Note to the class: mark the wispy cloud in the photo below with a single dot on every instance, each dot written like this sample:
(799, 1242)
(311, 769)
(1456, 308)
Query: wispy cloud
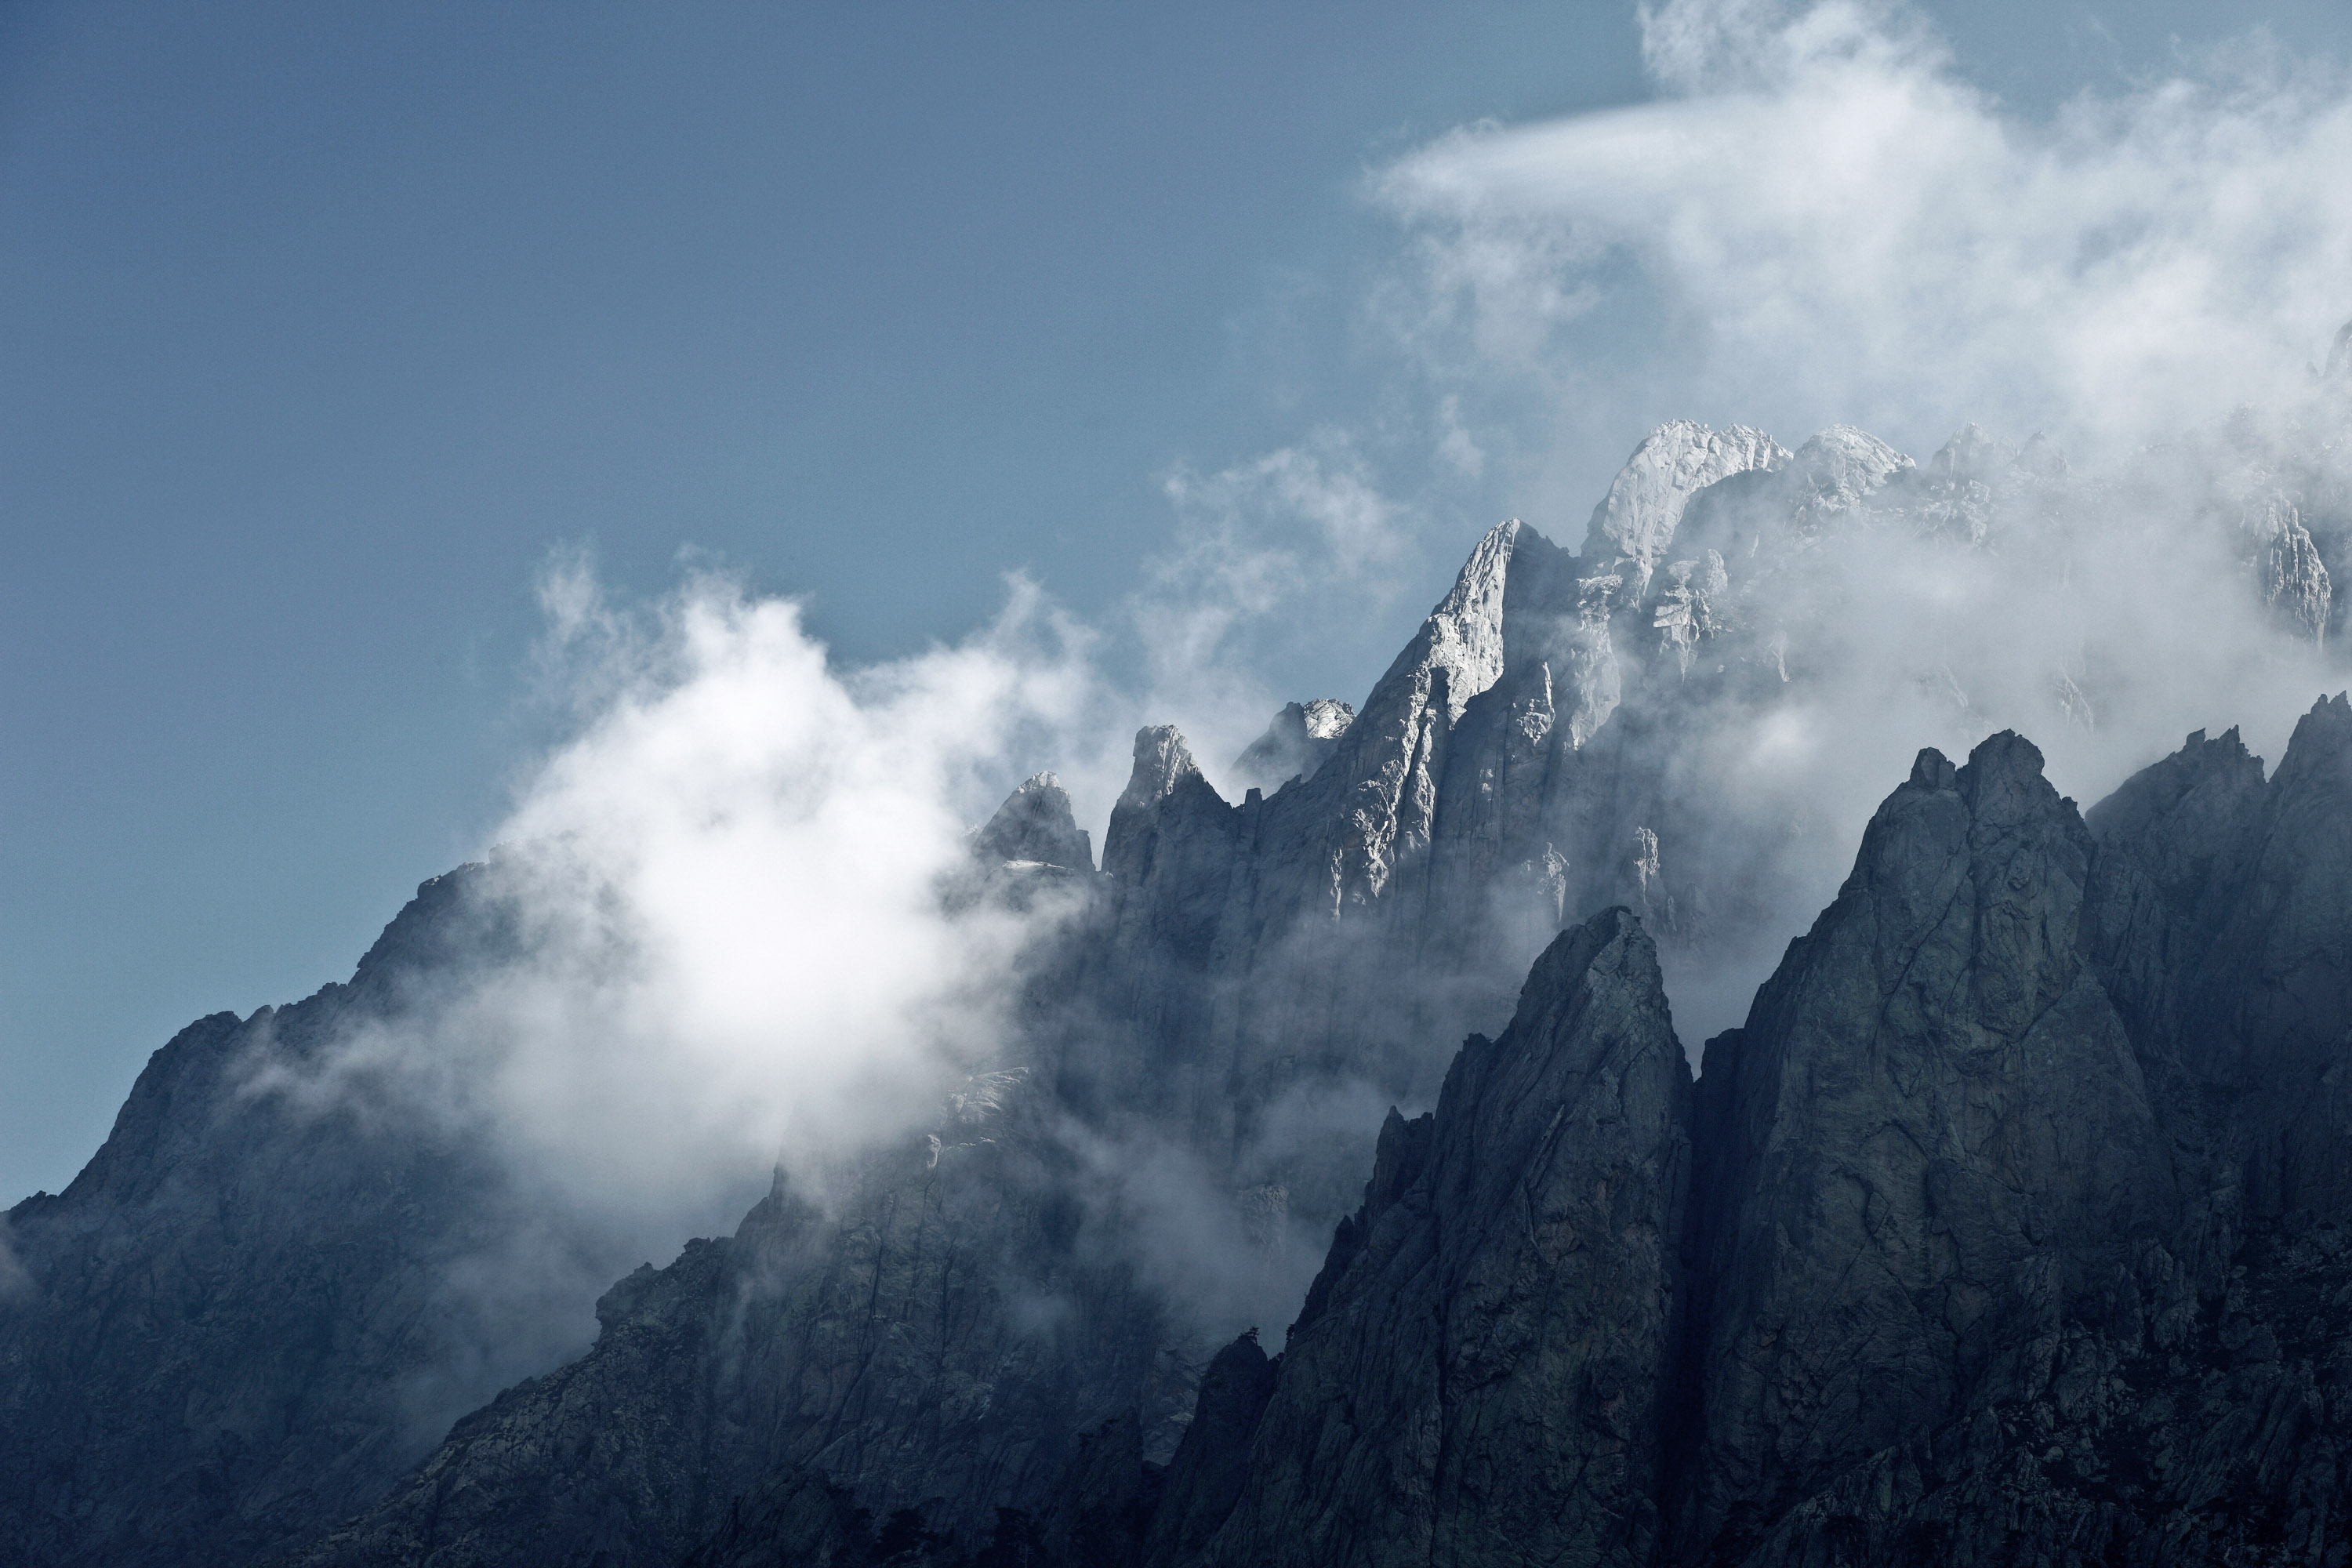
(1833, 223)
(727, 942)
(1269, 559)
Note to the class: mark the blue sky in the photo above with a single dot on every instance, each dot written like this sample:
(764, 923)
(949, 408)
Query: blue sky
(320, 328)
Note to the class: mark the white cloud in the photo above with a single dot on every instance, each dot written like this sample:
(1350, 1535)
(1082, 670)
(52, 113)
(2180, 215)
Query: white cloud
(1837, 226)
(732, 947)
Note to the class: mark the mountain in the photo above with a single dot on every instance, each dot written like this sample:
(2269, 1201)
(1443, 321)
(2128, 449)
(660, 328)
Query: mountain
(2012, 1200)
(1941, 1261)
(245, 1316)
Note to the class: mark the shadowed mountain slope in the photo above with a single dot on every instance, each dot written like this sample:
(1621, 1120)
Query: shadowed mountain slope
(1969, 1268)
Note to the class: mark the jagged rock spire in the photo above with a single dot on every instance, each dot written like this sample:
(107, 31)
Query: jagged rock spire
(1036, 823)
(1481, 1365)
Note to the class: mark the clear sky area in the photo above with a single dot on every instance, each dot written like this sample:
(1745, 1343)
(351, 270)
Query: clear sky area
(323, 327)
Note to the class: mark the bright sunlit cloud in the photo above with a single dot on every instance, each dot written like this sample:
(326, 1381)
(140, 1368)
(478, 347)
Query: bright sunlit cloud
(1840, 227)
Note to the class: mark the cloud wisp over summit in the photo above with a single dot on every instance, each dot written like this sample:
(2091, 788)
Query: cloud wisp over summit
(1832, 224)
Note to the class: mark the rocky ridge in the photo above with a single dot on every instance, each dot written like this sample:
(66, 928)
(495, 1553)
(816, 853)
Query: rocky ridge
(1301, 736)
(244, 1317)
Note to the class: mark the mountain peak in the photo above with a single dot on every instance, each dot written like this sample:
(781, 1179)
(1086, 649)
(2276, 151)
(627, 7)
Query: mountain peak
(1036, 823)
(1295, 743)
(1485, 1352)
(1634, 523)
(1839, 469)
(1162, 761)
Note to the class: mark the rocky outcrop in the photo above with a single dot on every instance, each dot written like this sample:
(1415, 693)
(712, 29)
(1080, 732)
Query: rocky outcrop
(2172, 843)
(2286, 563)
(2225, 933)
(1036, 826)
(936, 1348)
(1634, 526)
(2177, 1385)
(1301, 736)
(1477, 1374)
(1931, 1137)
(1212, 1464)
(1031, 858)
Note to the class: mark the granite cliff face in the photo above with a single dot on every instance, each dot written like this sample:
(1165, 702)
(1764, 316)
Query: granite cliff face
(2007, 1227)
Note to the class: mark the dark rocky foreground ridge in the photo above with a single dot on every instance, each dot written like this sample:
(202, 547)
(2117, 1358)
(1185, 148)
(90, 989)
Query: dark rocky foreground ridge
(1935, 1264)
(2006, 1229)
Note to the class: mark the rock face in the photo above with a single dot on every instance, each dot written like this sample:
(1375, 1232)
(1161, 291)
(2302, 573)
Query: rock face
(242, 1321)
(2286, 563)
(1036, 826)
(1213, 1463)
(1634, 526)
(2225, 931)
(1931, 1136)
(1488, 1349)
(1972, 1263)
(734, 1396)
